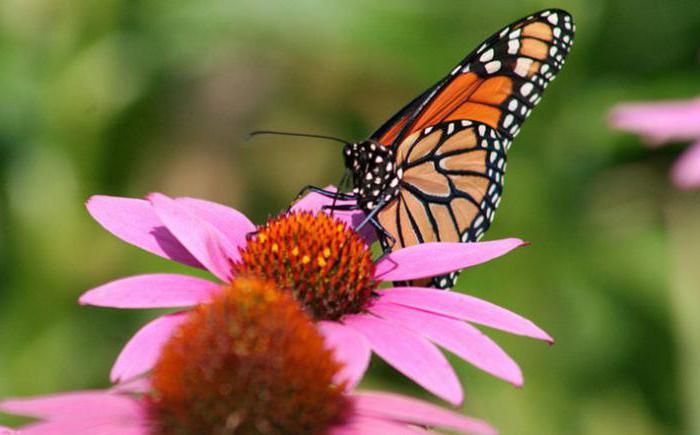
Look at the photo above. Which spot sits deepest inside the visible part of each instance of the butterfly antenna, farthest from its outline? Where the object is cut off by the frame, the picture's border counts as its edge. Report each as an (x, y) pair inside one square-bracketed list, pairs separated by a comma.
[(288, 133)]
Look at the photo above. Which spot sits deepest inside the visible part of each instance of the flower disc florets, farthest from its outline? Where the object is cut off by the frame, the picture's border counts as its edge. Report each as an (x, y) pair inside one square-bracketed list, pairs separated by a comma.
[(249, 362), (323, 262)]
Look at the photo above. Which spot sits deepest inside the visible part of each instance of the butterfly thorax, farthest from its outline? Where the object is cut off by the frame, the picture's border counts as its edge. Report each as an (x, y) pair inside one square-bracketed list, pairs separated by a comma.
[(375, 177)]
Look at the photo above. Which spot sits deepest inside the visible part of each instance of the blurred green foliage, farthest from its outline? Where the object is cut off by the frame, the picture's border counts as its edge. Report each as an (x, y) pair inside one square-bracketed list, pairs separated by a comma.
[(125, 97)]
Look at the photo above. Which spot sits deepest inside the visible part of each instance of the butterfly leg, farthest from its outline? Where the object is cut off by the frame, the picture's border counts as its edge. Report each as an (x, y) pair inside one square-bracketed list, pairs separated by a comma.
[(324, 192)]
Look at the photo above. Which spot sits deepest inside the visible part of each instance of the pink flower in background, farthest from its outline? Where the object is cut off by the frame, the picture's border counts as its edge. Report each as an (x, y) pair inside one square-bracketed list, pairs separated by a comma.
[(248, 361), (662, 122), (332, 275)]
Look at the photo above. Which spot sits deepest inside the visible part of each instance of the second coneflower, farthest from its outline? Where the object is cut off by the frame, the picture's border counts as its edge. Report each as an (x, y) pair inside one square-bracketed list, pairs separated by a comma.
[(328, 268), (247, 362)]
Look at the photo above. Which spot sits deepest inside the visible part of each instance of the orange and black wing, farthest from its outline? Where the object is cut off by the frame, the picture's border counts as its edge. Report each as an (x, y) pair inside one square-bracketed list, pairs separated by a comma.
[(451, 141), (451, 185), (497, 84)]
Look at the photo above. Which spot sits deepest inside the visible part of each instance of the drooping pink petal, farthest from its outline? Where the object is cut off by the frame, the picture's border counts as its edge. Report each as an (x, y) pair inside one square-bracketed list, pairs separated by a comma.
[(464, 307), (409, 410), (205, 243), (88, 426), (659, 122), (135, 222), (315, 202), (74, 405), (350, 348), (366, 425), (158, 290), (411, 354), (686, 170), (456, 336), (143, 349), (433, 259), (234, 225)]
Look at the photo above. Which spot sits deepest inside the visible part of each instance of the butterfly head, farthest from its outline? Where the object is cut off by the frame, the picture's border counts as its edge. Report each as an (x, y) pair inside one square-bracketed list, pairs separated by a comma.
[(375, 177)]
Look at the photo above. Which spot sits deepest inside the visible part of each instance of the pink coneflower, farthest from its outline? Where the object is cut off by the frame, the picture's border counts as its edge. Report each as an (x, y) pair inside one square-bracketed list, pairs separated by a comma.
[(248, 362), (667, 121), (329, 270)]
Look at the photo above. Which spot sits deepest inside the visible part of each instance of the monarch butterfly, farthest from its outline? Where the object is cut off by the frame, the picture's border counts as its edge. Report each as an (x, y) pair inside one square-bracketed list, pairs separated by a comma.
[(434, 171)]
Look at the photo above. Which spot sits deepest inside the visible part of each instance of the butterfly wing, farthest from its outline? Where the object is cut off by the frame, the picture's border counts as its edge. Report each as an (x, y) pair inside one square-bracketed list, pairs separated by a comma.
[(451, 185), (451, 141), (498, 83)]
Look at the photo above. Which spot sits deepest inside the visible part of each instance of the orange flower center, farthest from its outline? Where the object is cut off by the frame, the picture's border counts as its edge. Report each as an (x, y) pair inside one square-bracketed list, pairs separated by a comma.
[(248, 362), (326, 265)]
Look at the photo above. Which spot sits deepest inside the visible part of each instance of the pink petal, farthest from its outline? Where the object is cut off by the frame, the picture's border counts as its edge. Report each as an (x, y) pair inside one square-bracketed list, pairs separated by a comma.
[(74, 405), (365, 425), (141, 352), (660, 122), (464, 307), (350, 348), (135, 222), (158, 290), (206, 243), (411, 354), (234, 225), (92, 425), (456, 336), (433, 259), (4, 430), (686, 171), (409, 410), (314, 202)]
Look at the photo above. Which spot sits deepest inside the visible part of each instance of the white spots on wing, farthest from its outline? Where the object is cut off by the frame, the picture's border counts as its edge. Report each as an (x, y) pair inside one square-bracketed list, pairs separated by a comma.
[(389, 166), (522, 66), (466, 123), (486, 56), (394, 182), (508, 120), (552, 50), (454, 71), (493, 66), (567, 25), (513, 46), (450, 128), (526, 88), (493, 134), (544, 68), (483, 46), (479, 220), (484, 143), (482, 130), (513, 105), (554, 19), (503, 32), (378, 159), (515, 34), (546, 14), (466, 68), (427, 130), (557, 32)]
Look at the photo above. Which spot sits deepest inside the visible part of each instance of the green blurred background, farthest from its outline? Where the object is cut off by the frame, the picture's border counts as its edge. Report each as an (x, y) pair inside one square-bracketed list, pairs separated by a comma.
[(126, 97)]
